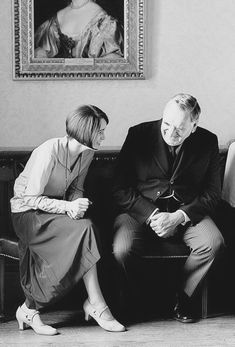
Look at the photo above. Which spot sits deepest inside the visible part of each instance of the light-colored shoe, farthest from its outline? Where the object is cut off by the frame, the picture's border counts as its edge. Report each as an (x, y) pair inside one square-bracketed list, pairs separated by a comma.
[(109, 324), (33, 320)]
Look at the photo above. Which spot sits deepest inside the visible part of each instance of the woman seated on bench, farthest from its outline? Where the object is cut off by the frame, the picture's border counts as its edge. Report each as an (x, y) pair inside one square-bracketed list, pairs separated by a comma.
[(58, 243)]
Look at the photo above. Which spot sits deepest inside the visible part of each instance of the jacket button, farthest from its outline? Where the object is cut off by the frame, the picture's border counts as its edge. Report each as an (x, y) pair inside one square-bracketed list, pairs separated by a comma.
[(172, 182), (158, 193)]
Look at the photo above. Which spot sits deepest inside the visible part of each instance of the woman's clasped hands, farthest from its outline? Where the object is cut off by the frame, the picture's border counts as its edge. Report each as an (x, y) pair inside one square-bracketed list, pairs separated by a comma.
[(77, 208)]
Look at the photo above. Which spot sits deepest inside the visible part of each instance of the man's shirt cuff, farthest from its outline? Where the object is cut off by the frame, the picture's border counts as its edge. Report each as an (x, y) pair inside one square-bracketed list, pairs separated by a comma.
[(152, 214), (186, 217)]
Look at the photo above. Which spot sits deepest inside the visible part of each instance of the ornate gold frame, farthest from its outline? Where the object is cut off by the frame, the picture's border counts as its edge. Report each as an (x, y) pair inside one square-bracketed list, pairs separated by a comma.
[(26, 67)]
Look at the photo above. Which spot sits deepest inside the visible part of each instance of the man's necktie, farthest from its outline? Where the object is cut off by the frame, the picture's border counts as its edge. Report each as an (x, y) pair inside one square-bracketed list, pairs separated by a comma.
[(173, 151)]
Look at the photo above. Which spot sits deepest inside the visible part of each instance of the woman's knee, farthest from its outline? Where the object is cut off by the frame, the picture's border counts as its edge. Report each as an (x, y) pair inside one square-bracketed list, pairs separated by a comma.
[(89, 227), (88, 224)]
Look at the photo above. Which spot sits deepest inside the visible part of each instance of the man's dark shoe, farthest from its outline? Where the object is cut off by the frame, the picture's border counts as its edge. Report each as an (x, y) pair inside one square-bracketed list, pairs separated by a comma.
[(183, 316), (183, 310)]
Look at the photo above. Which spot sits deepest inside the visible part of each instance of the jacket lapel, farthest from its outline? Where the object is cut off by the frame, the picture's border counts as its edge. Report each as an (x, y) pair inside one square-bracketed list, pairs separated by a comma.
[(185, 157), (160, 149)]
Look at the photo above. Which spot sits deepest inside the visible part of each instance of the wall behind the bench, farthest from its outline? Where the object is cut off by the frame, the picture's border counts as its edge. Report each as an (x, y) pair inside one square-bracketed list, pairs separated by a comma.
[(190, 48)]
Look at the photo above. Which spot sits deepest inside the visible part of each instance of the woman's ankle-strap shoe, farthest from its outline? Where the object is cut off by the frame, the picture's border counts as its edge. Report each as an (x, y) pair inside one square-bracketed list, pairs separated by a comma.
[(33, 320), (109, 323)]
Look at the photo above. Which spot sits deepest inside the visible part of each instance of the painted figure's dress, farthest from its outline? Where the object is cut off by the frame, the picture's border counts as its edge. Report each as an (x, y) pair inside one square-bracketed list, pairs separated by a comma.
[(101, 38)]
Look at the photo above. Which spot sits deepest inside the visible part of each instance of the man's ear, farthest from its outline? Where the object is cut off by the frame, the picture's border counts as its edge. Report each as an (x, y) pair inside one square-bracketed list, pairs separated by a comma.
[(195, 126)]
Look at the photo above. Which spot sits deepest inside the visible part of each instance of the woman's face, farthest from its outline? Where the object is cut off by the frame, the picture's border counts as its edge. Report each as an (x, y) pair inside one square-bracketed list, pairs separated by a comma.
[(99, 137)]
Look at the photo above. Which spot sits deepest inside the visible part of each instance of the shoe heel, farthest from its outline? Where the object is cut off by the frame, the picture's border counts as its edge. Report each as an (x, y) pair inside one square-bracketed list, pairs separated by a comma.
[(22, 325), (87, 316)]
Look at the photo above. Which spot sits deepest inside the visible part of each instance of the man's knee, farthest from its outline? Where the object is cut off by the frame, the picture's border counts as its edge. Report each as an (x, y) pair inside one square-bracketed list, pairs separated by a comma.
[(218, 245), (123, 239), (213, 246), (121, 251), (206, 239)]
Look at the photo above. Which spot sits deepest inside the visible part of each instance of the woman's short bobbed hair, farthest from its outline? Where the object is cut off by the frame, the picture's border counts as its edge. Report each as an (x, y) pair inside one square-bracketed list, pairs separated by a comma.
[(83, 124), (188, 103)]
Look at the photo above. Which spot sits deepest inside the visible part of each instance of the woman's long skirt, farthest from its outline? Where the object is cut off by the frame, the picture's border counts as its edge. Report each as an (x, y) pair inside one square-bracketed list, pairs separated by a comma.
[(55, 253)]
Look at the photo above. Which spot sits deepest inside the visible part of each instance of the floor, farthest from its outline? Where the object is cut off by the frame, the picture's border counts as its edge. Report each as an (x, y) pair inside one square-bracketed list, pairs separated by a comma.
[(144, 329), (73, 331)]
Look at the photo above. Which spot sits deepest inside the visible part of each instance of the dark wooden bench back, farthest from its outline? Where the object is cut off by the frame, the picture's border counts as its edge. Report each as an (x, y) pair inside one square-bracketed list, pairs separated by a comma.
[(98, 184)]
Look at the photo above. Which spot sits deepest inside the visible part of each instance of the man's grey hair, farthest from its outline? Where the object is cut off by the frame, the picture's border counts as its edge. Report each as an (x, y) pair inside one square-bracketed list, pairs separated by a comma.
[(188, 103)]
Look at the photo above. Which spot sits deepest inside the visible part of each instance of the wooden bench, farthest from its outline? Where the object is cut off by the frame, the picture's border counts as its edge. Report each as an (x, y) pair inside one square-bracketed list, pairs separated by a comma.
[(98, 185)]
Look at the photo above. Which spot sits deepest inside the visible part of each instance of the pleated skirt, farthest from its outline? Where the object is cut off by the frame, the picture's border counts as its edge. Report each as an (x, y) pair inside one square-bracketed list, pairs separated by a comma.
[(55, 253)]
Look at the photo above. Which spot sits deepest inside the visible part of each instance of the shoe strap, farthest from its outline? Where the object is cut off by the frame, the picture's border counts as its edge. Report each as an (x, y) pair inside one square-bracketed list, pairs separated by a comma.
[(99, 312), (30, 317)]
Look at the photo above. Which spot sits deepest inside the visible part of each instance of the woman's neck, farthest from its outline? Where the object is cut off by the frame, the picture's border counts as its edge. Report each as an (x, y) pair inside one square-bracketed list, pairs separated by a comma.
[(75, 147), (76, 4)]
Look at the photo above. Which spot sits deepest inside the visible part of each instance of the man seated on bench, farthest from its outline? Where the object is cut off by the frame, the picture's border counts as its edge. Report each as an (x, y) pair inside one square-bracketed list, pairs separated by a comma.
[(167, 187)]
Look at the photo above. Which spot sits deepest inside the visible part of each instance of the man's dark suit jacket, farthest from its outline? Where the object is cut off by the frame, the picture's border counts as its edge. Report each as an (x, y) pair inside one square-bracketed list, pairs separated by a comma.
[(144, 173)]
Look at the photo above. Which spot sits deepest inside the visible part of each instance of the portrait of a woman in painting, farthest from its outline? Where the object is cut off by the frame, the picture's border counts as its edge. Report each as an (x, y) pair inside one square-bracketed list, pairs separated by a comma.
[(79, 29)]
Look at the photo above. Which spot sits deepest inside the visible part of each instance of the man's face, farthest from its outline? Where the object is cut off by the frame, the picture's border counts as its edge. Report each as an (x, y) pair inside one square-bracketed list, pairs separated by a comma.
[(176, 124)]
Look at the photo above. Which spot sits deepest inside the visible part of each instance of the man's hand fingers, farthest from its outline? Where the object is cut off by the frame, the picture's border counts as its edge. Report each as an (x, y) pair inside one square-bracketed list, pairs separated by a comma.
[(156, 216)]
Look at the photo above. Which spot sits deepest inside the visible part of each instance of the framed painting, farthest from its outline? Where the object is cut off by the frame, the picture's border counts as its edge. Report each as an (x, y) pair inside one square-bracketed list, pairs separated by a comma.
[(78, 39)]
